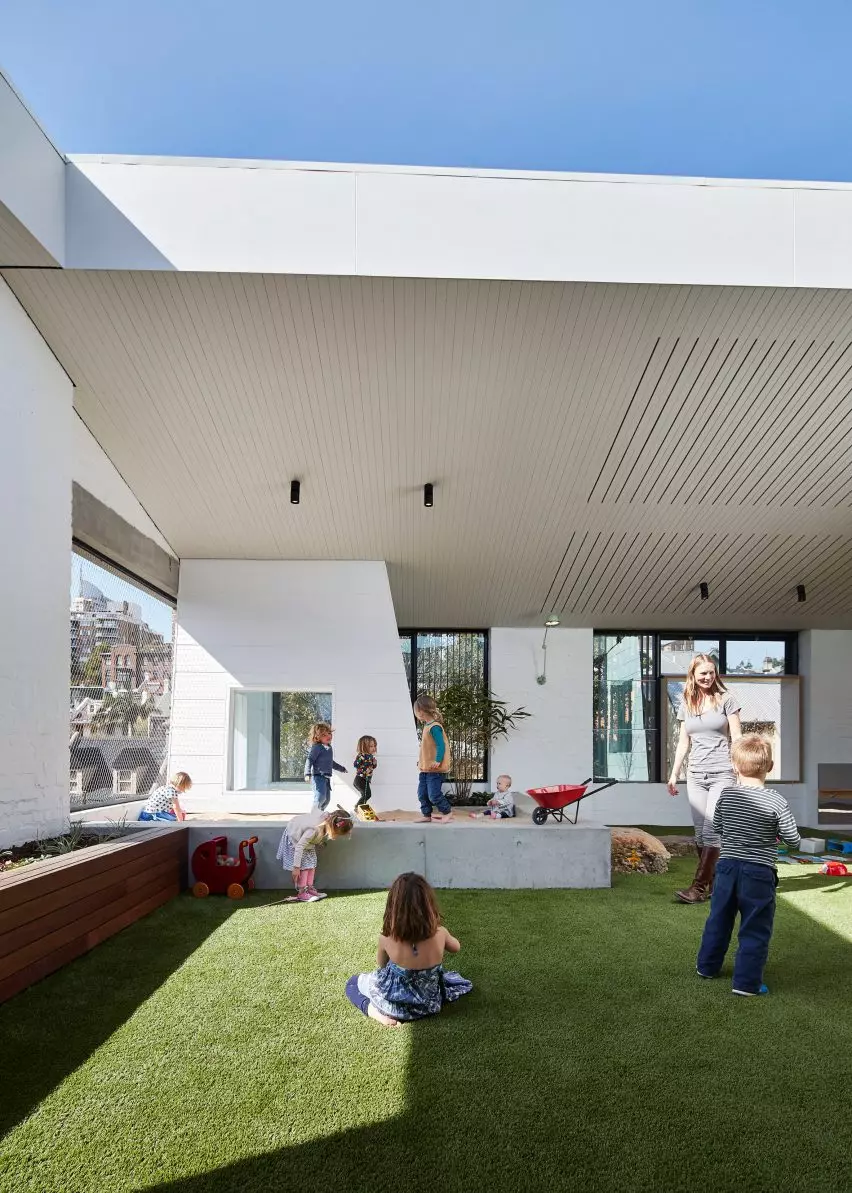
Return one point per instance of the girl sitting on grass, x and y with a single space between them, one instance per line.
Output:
410 982
297 850
164 803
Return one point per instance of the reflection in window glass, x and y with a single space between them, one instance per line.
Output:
625 727
270 736
755 658
677 653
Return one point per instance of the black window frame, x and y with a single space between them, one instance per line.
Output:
656 757
412 634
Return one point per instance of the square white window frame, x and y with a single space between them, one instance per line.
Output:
295 785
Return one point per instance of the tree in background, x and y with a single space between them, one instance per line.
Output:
117 714
474 719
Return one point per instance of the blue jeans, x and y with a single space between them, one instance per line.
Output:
430 794
747 888
322 791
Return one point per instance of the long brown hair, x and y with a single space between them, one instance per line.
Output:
411 913
693 696
429 708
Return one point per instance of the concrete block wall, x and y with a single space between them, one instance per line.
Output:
510 855
35 497
312 625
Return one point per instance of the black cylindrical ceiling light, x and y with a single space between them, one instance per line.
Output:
428 495
801 595
295 491
704 590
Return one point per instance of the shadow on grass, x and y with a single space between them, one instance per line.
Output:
590 1056
47 1031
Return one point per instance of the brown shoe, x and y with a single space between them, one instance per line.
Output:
702 883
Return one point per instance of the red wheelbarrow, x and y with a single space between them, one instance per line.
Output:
554 801
231 877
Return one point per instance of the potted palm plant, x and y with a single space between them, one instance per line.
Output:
474 719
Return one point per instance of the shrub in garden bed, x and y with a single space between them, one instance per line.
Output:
77 836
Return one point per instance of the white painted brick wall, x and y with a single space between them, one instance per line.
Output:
315 625
35 499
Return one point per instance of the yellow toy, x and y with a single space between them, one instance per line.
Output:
365 812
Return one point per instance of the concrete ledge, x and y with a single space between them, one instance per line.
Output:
507 856
96 526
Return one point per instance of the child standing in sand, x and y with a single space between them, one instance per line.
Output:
365 765
320 763
434 762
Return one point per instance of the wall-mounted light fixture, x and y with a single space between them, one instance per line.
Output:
295 492
801 595
704 590
549 623
428 495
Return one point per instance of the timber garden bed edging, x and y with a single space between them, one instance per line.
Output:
61 907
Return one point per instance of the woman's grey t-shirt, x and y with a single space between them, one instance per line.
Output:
709 736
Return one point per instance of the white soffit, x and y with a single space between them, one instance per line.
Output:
279 217
597 449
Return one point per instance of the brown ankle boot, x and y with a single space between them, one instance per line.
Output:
703 880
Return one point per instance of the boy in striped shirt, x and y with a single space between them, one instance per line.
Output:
750 818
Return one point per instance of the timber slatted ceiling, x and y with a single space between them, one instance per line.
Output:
62 908
598 448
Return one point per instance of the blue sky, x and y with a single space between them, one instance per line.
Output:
748 88
156 613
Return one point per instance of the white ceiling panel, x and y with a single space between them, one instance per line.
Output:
597 449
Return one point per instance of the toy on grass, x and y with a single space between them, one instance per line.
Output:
553 801
216 873
836 869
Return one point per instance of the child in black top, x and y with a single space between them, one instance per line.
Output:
365 764
320 763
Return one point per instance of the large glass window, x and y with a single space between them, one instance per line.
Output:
438 659
625 707
638 686
269 736
121 639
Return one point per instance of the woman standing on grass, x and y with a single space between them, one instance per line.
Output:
709 722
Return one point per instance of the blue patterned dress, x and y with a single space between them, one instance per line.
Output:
412 993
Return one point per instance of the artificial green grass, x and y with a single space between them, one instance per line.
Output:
209 1048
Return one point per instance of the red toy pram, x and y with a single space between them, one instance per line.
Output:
211 878
553 801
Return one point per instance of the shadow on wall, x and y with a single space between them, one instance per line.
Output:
99 234
546 1078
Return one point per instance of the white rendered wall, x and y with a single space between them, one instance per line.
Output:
35 498
555 745
96 473
32 175
825 661
280 625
